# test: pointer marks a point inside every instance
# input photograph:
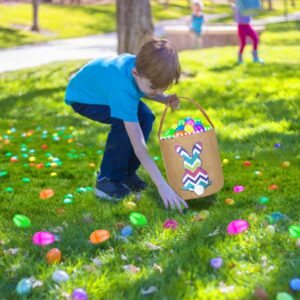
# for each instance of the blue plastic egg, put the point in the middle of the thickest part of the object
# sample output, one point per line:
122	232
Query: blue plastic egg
24	286
295	284
126	231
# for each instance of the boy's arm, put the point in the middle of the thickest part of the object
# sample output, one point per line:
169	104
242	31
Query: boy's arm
171	100
169	197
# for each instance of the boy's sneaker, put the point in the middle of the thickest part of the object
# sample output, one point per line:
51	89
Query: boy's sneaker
111	190
135	183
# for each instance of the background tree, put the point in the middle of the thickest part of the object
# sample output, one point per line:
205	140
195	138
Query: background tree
35	23
134	23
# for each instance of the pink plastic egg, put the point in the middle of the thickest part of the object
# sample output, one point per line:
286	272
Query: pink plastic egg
238	188
170	224
237	226
43	238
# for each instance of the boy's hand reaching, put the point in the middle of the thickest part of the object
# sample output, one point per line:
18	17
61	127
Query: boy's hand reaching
173	101
170	198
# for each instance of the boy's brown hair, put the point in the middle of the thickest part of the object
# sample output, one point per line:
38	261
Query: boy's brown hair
158	61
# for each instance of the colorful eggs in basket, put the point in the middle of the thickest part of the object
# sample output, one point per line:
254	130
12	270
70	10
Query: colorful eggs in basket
186	126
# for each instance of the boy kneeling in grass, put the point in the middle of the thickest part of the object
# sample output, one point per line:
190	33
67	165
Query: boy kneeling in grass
108	90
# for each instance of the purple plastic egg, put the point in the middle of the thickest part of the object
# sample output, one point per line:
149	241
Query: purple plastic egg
216	262
79	294
199	128
43	238
237	226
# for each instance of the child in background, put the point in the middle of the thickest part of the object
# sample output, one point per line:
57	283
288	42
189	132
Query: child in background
197	20
109	91
245	29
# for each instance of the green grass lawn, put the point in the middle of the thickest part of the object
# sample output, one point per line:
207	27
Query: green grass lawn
252	106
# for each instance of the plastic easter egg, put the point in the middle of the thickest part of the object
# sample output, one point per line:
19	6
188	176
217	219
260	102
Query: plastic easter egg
273	187
295	284
284	296
225	161
68	201
26	180
277	216
79	294
99	236
53	256
187	118
46	193
137	219
229	201
179	133
237	226
43	238
258	173
170	224
199	128
270	229
190	122
216	263
21	221
277	145
169	133
285	164
180	123
24	286
3	173
129	205
294	231
126	231
9	189
263	200
60	276
238	188
247	163
204	214
188	128
179	128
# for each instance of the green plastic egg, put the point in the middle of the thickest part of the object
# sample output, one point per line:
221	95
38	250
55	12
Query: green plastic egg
21	221
137	219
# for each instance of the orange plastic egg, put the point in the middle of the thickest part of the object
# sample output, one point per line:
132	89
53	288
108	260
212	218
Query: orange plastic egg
179	133
46	193
99	236
53	256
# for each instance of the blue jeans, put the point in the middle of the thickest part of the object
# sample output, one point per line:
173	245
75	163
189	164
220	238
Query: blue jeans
119	158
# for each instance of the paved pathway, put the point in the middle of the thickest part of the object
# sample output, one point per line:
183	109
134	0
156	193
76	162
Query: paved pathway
87	47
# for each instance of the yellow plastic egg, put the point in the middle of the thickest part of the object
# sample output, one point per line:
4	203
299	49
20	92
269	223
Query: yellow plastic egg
31	158
285	164
229	201
189	128
225	161
130	205
53	174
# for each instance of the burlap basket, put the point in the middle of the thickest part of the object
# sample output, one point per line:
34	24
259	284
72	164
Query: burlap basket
192	162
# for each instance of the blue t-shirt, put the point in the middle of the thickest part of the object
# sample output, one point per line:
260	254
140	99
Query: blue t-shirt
197	22
107	81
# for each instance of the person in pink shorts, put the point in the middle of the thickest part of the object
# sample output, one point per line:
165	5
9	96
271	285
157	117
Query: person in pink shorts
245	29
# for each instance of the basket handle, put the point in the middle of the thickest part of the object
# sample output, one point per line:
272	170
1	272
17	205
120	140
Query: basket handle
162	119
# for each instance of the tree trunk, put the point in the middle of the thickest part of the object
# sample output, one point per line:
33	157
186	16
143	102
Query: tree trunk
35	23
134	24
270	5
